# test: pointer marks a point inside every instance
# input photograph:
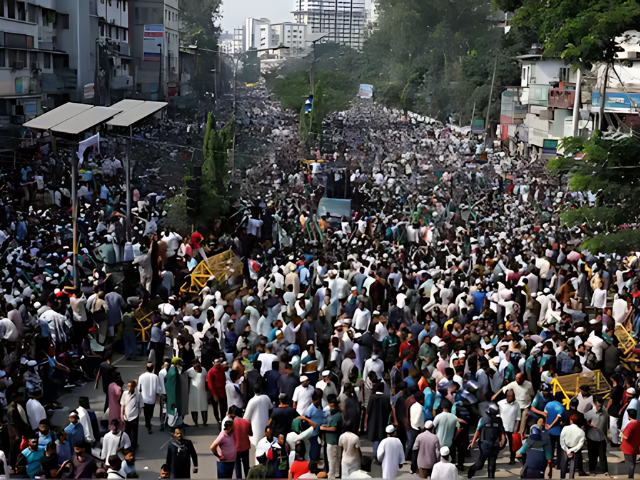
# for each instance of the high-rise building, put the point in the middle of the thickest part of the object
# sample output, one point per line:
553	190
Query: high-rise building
156	48
342	21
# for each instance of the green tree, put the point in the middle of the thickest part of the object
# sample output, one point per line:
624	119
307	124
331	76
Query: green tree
213	194
581	32
198	19
608	169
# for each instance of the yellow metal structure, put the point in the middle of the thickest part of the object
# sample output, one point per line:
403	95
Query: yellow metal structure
223	266
627	343
569	385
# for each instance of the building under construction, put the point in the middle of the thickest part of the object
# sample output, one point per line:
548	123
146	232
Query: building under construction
343	21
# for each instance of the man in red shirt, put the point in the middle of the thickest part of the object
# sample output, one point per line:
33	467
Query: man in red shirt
242	432
630	445
196	240
216	381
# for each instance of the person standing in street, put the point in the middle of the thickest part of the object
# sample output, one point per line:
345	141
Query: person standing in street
180	454
391	454
258	412
150	389
242	433
198	393
572	439
216	381
630	445
224	447
426	451
131	405
492	439
444	469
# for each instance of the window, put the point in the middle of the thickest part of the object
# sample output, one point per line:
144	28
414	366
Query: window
102	29
115	32
11	10
64	20
22	11
124	34
2	64
124	6
47	60
2	11
17	56
564	73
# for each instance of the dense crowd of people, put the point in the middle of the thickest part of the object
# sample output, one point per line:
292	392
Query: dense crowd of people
439	313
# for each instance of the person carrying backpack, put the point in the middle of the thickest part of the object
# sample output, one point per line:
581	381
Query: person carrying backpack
492	439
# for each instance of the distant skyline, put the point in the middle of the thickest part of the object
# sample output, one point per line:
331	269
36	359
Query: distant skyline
235	12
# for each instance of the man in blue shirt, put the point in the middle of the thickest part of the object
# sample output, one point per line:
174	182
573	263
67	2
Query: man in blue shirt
33	453
316	414
478	301
554	411
75	430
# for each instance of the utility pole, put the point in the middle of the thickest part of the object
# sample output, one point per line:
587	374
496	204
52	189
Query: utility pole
576	103
160	87
487	126
603	95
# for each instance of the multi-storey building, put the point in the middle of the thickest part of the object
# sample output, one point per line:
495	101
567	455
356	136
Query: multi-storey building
341	21
156	48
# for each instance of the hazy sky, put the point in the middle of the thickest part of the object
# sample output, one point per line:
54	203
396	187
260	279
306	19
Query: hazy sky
235	12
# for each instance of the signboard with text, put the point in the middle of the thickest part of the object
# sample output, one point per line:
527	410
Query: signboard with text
152	42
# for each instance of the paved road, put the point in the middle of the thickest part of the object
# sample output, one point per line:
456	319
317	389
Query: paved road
153	448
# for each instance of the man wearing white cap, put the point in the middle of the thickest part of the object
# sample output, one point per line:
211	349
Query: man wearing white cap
302	395
326	385
444	469
391	454
426	451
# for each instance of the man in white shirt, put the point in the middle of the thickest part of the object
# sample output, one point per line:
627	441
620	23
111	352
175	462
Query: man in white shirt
302	395
373	364
361	318
149	387
35	411
572	439
416	421
114	440
130	406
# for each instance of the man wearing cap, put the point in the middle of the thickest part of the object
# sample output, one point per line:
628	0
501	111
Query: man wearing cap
326	385
444	469
391	453
361	318
302	395
150	389
426	451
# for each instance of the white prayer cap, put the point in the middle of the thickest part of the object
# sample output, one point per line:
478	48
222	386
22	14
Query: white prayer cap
326	373
278	332
390	429
444	451
32	363
579	329
441	344
631	391
376	312
309	342
428	424
303	378
37	305
594	322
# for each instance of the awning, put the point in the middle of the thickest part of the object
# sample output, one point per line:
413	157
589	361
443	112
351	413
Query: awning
126	105
85	120
57	116
135	114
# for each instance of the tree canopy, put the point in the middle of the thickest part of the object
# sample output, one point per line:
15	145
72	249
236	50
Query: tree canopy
198	22
579	31
607	169
428	56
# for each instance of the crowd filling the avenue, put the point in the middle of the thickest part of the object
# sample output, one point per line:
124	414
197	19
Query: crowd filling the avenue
437	315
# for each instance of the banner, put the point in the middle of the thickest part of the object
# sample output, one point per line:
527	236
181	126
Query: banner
153	42
366	91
